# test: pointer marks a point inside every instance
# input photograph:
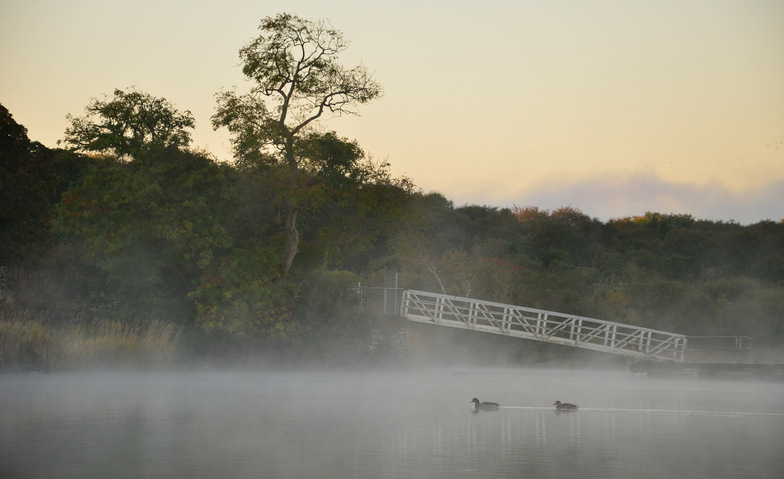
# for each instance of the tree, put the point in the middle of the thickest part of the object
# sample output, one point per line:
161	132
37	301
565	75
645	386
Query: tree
345	193
27	189
456	271
129	123
298	80
154	227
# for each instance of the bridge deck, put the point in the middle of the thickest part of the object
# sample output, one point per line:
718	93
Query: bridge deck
541	325
538	325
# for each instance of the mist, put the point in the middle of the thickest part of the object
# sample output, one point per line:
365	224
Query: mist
386	424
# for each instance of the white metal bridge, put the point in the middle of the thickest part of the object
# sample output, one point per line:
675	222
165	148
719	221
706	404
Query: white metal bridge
536	324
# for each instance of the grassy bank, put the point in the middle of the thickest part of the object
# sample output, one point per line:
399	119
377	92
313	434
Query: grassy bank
30	341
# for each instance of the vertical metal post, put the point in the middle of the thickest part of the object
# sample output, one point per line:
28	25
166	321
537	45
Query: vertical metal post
684	349
571	329
612	340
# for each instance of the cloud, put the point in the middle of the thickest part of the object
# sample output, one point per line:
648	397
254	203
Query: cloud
616	196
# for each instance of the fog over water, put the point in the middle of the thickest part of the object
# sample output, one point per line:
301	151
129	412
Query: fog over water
386	424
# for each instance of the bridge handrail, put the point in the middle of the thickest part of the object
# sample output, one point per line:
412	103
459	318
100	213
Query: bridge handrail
544	311
543	325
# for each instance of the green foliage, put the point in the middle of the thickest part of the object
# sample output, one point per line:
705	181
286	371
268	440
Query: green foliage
297	81
294	61
240	297
129	123
251	127
149	229
153	225
331	327
27	190
666	272
354	205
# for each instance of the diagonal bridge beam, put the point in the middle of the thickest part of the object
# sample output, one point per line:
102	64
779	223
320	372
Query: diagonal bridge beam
541	325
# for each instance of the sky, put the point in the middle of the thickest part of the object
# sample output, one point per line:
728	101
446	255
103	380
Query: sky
612	107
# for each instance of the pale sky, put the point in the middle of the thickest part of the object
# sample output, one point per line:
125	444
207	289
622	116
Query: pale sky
613	107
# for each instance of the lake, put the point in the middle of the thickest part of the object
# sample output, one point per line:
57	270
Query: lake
239	424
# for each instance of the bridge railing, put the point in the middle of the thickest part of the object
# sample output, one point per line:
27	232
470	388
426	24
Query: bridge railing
541	325
719	343
380	301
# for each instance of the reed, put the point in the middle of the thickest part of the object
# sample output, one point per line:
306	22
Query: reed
25	342
112	343
30	341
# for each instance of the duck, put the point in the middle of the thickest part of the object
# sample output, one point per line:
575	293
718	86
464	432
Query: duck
559	406
484	406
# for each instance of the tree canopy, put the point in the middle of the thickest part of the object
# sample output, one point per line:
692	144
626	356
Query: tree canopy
27	189
129	123
298	80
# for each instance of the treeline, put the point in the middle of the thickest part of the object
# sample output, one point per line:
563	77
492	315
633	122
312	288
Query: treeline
173	234
127	222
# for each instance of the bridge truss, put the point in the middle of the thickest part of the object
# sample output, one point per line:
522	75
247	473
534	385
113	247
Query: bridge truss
627	340
541	325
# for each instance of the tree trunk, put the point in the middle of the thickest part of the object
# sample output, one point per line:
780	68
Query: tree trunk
290	233
290	237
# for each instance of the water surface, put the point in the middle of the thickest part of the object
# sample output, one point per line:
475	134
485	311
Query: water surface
386	425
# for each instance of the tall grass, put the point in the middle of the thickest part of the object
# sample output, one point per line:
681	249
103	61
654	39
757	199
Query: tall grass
25	343
30	341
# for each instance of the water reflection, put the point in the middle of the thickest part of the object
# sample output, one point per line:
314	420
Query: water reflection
385	425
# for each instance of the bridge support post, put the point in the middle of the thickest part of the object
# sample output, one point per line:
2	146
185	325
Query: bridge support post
612	328
472	314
